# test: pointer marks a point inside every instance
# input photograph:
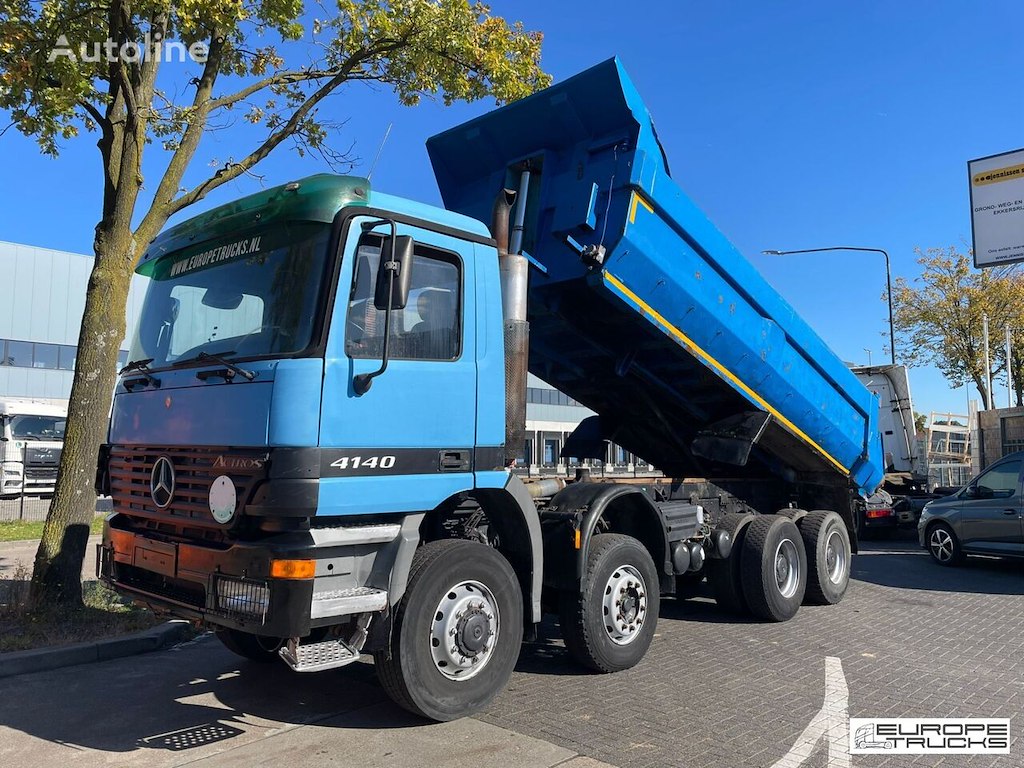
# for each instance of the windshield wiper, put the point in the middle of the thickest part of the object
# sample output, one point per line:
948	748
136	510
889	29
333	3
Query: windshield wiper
136	365
231	367
142	366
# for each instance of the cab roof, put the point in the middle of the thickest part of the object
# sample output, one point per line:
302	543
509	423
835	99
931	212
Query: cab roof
315	198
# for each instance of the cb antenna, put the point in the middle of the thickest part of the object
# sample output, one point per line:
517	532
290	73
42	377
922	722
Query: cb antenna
379	150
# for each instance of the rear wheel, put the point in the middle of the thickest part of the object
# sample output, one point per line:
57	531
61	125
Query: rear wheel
944	546
610	626
827	544
457	631
254	647
773	566
724	573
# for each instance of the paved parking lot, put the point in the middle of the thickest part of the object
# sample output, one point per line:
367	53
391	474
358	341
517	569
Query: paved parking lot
912	639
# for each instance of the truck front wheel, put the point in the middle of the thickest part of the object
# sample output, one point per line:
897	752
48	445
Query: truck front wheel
609	627
457	631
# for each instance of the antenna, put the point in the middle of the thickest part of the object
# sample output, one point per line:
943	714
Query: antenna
379	150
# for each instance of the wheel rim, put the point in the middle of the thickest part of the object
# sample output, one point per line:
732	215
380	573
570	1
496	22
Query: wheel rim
624	605
464	630
941	545
787	568
835	557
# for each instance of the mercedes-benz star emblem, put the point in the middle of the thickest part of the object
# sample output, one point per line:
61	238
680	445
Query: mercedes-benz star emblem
161	482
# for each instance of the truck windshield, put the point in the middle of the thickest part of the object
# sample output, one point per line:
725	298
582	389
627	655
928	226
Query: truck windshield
28	427
254	294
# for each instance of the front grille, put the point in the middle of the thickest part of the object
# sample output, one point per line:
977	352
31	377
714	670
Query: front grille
40	473
195	469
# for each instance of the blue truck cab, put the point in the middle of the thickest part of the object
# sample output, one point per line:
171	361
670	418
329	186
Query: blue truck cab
311	449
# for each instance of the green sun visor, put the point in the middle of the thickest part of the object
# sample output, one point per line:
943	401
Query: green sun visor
314	199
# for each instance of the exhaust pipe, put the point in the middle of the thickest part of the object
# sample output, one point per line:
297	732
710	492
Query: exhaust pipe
514	271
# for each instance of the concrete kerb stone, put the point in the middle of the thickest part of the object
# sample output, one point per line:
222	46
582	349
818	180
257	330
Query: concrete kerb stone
41	659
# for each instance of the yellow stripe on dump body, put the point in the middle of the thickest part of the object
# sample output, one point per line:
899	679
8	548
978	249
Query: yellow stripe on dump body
632	206
696	350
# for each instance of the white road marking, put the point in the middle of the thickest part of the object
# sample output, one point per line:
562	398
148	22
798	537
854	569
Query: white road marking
832	723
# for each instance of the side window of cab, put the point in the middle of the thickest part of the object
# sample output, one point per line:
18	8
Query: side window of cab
430	325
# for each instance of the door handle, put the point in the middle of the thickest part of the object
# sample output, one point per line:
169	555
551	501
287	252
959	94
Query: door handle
1010	512
454	461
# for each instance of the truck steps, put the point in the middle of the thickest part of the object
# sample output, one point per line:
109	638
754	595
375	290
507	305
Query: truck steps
314	657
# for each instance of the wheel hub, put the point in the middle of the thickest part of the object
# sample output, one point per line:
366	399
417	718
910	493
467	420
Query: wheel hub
464	630
471	631
624	604
787	568
835	557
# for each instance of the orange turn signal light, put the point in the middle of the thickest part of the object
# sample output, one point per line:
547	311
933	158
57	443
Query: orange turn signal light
292	569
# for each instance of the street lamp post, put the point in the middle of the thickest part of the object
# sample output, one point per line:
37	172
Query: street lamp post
888	280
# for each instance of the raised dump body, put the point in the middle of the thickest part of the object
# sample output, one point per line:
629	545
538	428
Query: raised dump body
641	309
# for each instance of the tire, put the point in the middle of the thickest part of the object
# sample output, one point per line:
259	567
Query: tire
943	545
256	648
796	515
449	581
773	587
617	565
724	574
829	557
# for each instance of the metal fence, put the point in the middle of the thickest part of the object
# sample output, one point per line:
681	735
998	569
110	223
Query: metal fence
34	507
24	506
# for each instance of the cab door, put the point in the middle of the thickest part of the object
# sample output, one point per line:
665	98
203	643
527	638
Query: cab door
991	511
407	443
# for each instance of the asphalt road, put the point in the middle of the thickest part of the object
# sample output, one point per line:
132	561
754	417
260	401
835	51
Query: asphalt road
910	639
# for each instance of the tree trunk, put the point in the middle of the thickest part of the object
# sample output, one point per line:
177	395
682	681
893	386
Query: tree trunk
56	577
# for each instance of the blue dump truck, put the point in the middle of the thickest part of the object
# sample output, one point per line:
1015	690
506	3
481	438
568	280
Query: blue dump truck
312	448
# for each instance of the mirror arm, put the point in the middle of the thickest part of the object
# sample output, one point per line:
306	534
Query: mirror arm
362	382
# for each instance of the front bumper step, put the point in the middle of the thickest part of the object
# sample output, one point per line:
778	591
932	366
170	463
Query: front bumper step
315	657
343	602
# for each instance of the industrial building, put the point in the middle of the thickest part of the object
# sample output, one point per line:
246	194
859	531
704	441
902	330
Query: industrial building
42	298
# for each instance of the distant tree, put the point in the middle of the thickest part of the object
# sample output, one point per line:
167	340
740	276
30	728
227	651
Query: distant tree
920	422
939	314
69	67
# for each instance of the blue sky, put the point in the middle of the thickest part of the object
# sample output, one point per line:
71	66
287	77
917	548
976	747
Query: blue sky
793	125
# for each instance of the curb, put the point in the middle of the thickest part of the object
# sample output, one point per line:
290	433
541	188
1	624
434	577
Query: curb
42	659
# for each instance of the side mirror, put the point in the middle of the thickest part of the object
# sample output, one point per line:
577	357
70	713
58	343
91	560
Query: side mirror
971	492
394	274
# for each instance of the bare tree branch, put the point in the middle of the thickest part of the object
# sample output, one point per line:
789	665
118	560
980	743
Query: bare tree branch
237	169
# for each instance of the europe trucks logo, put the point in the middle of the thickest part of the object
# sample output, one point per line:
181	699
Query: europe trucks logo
216	255
927	736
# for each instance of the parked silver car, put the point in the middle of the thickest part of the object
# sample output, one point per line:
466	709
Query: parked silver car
985	517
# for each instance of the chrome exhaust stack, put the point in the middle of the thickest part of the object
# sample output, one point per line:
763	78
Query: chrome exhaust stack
514	271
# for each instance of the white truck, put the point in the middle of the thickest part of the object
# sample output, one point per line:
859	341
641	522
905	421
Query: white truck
31	440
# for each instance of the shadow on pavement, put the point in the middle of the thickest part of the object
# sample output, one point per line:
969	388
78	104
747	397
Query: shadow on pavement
899	562
191	696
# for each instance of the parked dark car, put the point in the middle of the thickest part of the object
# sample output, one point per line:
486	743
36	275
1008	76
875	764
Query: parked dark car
985	517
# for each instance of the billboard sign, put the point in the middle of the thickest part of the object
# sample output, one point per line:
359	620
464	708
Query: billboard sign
997	208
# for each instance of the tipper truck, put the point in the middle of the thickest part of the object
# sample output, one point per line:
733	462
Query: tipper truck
311	448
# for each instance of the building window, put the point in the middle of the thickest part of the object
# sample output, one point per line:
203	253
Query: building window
66	357
45	356
18	353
